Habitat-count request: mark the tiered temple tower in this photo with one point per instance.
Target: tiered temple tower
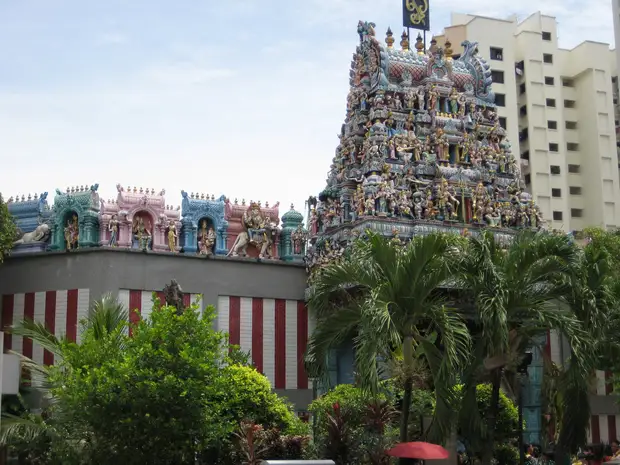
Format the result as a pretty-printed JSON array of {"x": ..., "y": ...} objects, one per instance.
[{"x": 421, "y": 150}]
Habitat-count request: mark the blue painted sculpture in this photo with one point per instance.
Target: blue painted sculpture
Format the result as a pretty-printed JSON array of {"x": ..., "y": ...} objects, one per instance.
[
  {"x": 204, "y": 227},
  {"x": 31, "y": 216}
]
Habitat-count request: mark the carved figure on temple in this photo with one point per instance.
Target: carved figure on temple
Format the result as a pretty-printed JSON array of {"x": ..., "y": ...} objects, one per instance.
[
  {"x": 421, "y": 95},
  {"x": 40, "y": 234},
  {"x": 462, "y": 102},
  {"x": 410, "y": 98},
  {"x": 259, "y": 232},
  {"x": 113, "y": 228},
  {"x": 299, "y": 238},
  {"x": 433, "y": 98},
  {"x": 206, "y": 240},
  {"x": 141, "y": 233},
  {"x": 314, "y": 222},
  {"x": 454, "y": 101},
  {"x": 442, "y": 146},
  {"x": 172, "y": 236},
  {"x": 72, "y": 233}
]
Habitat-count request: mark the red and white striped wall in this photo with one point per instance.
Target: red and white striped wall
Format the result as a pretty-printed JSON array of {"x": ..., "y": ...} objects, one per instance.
[
  {"x": 142, "y": 301},
  {"x": 60, "y": 310},
  {"x": 274, "y": 331},
  {"x": 603, "y": 428}
]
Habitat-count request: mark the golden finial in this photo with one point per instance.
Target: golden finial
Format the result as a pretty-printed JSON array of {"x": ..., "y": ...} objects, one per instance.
[
  {"x": 404, "y": 43},
  {"x": 433, "y": 47},
  {"x": 419, "y": 44},
  {"x": 389, "y": 38},
  {"x": 447, "y": 50}
]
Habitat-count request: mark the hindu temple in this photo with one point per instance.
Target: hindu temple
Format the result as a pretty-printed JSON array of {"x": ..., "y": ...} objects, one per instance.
[{"x": 421, "y": 150}]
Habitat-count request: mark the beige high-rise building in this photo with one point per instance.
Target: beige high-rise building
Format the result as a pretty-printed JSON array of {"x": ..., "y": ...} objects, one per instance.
[{"x": 557, "y": 106}]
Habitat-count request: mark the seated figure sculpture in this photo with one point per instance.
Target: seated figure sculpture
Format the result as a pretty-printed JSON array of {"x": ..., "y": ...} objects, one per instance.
[{"x": 255, "y": 226}]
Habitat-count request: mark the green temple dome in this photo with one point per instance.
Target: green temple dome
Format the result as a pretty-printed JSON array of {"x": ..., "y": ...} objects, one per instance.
[{"x": 292, "y": 217}]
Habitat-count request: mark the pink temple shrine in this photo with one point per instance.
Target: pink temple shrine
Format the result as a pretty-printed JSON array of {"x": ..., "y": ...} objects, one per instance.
[{"x": 140, "y": 219}]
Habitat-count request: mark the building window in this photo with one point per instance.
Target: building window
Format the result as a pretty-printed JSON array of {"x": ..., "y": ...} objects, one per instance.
[
  {"x": 497, "y": 76},
  {"x": 528, "y": 179},
  {"x": 557, "y": 216},
  {"x": 548, "y": 58},
  {"x": 523, "y": 135},
  {"x": 497, "y": 54},
  {"x": 522, "y": 88},
  {"x": 571, "y": 124},
  {"x": 523, "y": 110},
  {"x": 552, "y": 124},
  {"x": 525, "y": 155},
  {"x": 572, "y": 146},
  {"x": 549, "y": 80},
  {"x": 555, "y": 169},
  {"x": 574, "y": 190},
  {"x": 568, "y": 83},
  {"x": 553, "y": 147},
  {"x": 502, "y": 122},
  {"x": 546, "y": 35},
  {"x": 614, "y": 79},
  {"x": 574, "y": 169},
  {"x": 569, "y": 104},
  {"x": 576, "y": 212},
  {"x": 500, "y": 100},
  {"x": 550, "y": 102},
  {"x": 556, "y": 192}
]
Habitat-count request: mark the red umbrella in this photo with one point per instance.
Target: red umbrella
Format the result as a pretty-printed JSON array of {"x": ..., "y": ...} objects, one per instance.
[{"x": 418, "y": 450}]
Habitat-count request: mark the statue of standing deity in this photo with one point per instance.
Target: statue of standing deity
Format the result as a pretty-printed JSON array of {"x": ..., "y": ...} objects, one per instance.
[
  {"x": 172, "y": 236},
  {"x": 299, "y": 238},
  {"x": 454, "y": 101},
  {"x": 72, "y": 233},
  {"x": 113, "y": 229}
]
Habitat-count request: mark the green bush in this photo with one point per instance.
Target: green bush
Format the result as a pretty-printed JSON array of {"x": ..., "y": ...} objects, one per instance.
[{"x": 505, "y": 454}]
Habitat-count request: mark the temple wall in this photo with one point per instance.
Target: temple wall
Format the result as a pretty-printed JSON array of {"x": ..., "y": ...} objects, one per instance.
[{"x": 261, "y": 305}]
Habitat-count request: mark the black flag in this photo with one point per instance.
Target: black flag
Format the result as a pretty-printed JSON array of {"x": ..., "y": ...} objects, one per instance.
[{"x": 416, "y": 14}]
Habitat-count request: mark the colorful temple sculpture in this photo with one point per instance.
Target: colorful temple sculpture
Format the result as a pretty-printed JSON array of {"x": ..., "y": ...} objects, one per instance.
[
  {"x": 31, "y": 216},
  {"x": 204, "y": 224},
  {"x": 252, "y": 229},
  {"x": 75, "y": 218},
  {"x": 421, "y": 150},
  {"x": 140, "y": 219},
  {"x": 293, "y": 236}
]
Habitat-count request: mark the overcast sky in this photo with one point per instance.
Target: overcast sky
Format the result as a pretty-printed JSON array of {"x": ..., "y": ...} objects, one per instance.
[{"x": 239, "y": 97}]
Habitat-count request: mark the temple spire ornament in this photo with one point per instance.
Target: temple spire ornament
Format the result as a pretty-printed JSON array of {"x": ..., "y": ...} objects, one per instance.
[
  {"x": 389, "y": 38},
  {"x": 404, "y": 42},
  {"x": 419, "y": 44}
]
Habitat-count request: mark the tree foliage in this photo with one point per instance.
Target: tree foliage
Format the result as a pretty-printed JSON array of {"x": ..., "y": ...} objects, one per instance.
[
  {"x": 167, "y": 394},
  {"x": 8, "y": 230},
  {"x": 383, "y": 296}
]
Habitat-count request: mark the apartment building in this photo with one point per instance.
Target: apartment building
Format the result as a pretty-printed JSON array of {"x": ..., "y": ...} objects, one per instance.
[{"x": 557, "y": 106}]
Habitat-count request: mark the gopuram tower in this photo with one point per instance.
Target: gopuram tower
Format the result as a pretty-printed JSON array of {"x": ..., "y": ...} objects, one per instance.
[{"x": 421, "y": 150}]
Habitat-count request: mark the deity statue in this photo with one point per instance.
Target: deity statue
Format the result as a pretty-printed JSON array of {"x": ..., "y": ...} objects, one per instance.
[
  {"x": 259, "y": 231},
  {"x": 113, "y": 228},
  {"x": 314, "y": 222},
  {"x": 480, "y": 197},
  {"x": 206, "y": 239},
  {"x": 433, "y": 98},
  {"x": 421, "y": 94},
  {"x": 141, "y": 233},
  {"x": 442, "y": 146},
  {"x": 410, "y": 98},
  {"x": 299, "y": 238},
  {"x": 454, "y": 101},
  {"x": 462, "y": 102},
  {"x": 398, "y": 103},
  {"x": 72, "y": 233},
  {"x": 172, "y": 236}
]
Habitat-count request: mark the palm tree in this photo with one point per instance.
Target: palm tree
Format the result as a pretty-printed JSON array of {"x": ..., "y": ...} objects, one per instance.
[
  {"x": 107, "y": 319},
  {"x": 385, "y": 296},
  {"x": 594, "y": 299},
  {"x": 515, "y": 292}
]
